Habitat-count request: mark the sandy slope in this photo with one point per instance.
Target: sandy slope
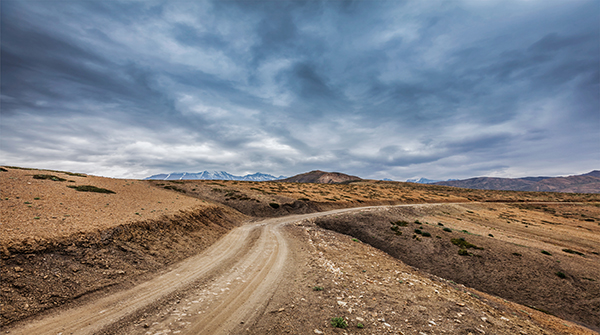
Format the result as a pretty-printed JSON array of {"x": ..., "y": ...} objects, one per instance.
[{"x": 42, "y": 209}]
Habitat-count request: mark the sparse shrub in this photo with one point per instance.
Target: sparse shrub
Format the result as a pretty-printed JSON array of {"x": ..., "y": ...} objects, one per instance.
[
  {"x": 360, "y": 325},
  {"x": 561, "y": 275},
  {"x": 447, "y": 229},
  {"x": 573, "y": 252},
  {"x": 304, "y": 199},
  {"x": 274, "y": 205},
  {"x": 398, "y": 233},
  {"x": 317, "y": 288},
  {"x": 440, "y": 224},
  {"x": 174, "y": 188},
  {"x": 490, "y": 235},
  {"x": 546, "y": 253},
  {"x": 394, "y": 228},
  {"x": 463, "y": 252},
  {"x": 417, "y": 222},
  {"x": 426, "y": 234},
  {"x": 400, "y": 223},
  {"x": 36, "y": 198},
  {"x": 589, "y": 220},
  {"x": 339, "y": 322},
  {"x": 517, "y": 254},
  {"x": 355, "y": 240},
  {"x": 48, "y": 176},
  {"x": 418, "y": 231},
  {"x": 90, "y": 188},
  {"x": 464, "y": 244}
]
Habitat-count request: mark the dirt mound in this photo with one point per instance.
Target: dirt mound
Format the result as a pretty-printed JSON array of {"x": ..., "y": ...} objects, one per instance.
[{"x": 532, "y": 264}]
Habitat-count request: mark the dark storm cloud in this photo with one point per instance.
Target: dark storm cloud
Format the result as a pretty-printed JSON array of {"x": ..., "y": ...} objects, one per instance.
[{"x": 377, "y": 89}]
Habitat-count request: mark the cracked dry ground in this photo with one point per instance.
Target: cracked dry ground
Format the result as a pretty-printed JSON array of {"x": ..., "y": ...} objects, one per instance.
[{"x": 367, "y": 286}]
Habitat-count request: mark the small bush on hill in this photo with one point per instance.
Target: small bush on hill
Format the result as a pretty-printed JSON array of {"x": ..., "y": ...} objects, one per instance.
[
  {"x": 274, "y": 205},
  {"x": 573, "y": 252},
  {"x": 90, "y": 188},
  {"x": 464, "y": 244},
  {"x": 339, "y": 322},
  {"x": 48, "y": 176}
]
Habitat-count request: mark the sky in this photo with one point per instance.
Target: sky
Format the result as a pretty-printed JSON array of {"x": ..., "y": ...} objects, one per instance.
[{"x": 377, "y": 89}]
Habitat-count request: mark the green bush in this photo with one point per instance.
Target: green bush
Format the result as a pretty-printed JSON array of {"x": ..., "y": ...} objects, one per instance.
[
  {"x": 464, "y": 244},
  {"x": 90, "y": 188},
  {"x": 426, "y": 234},
  {"x": 447, "y": 229},
  {"x": 463, "y": 252},
  {"x": 418, "y": 231},
  {"x": 561, "y": 275},
  {"x": 360, "y": 325},
  {"x": 339, "y": 322},
  {"x": 48, "y": 176},
  {"x": 546, "y": 253},
  {"x": 573, "y": 252},
  {"x": 317, "y": 288}
]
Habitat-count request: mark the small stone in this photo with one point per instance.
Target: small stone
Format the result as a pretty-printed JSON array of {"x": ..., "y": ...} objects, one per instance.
[
  {"x": 18, "y": 269},
  {"x": 460, "y": 304},
  {"x": 318, "y": 331},
  {"x": 387, "y": 324},
  {"x": 342, "y": 303},
  {"x": 146, "y": 325}
]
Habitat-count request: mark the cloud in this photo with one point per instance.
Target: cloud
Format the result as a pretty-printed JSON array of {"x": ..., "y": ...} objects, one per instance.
[{"x": 376, "y": 89}]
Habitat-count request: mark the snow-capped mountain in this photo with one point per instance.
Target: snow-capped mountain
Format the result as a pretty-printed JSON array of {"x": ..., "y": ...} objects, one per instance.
[
  {"x": 213, "y": 175},
  {"x": 422, "y": 181},
  {"x": 425, "y": 180}
]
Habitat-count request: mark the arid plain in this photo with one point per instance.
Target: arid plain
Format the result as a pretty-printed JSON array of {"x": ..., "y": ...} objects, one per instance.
[{"x": 393, "y": 257}]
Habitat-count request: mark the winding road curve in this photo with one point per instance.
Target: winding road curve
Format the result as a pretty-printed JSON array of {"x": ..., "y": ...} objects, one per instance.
[{"x": 229, "y": 284}]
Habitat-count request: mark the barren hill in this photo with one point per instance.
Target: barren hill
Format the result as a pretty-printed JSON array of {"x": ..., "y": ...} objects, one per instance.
[
  {"x": 585, "y": 183},
  {"x": 320, "y": 177}
]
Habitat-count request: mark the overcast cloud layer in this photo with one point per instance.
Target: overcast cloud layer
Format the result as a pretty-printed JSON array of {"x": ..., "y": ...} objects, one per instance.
[{"x": 378, "y": 89}]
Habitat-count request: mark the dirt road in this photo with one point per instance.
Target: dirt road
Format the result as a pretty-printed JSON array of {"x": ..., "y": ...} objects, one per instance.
[
  {"x": 259, "y": 279},
  {"x": 228, "y": 286}
]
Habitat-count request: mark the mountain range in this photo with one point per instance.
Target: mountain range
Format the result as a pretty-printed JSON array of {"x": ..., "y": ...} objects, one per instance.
[
  {"x": 213, "y": 175},
  {"x": 584, "y": 183}
]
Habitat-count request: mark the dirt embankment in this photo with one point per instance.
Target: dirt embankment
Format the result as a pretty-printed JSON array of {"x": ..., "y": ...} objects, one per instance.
[
  {"x": 36, "y": 277},
  {"x": 522, "y": 262}
]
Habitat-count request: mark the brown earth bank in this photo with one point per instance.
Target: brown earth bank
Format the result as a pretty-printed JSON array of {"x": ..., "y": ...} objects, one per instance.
[
  {"x": 37, "y": 277},
  {"x": 542, "y": 259}
]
